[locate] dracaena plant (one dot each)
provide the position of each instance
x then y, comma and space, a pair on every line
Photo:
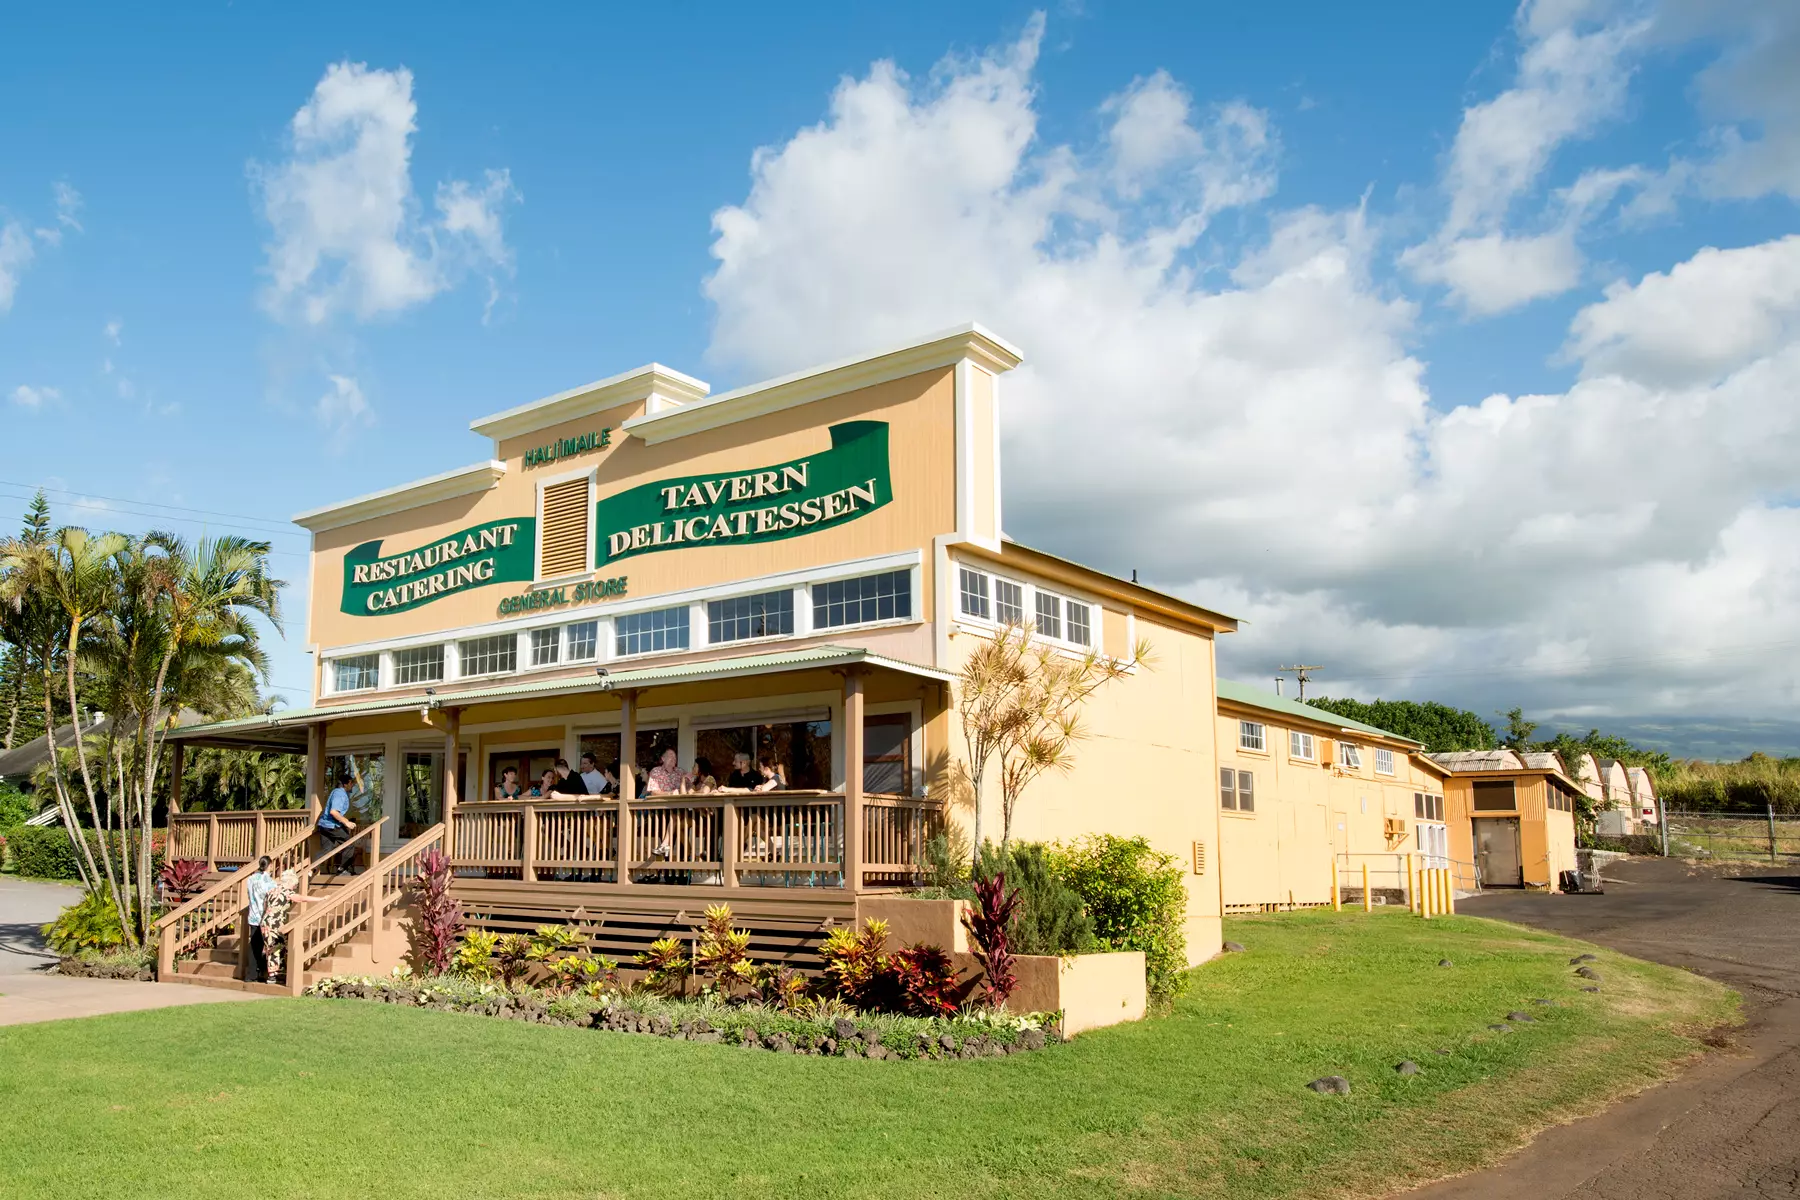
183, 876
440, 920
988, 922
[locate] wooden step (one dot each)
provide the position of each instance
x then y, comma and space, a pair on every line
208, 969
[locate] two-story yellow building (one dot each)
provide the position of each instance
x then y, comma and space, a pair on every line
792, 572
1306, 796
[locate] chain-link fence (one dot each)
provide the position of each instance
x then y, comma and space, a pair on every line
1742, 837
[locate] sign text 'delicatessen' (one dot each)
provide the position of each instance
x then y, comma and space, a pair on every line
805, 495
495, 552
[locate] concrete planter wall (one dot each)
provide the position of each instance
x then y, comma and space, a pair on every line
1090, 990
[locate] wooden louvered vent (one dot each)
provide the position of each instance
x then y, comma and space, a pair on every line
565, 529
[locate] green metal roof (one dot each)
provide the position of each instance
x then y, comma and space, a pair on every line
289, 727
1243, 693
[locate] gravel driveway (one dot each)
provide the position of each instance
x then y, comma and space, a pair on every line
1731, 1125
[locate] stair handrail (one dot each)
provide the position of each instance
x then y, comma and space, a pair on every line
367, 831
376, 879
171, 943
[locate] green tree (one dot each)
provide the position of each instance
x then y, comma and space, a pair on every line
1517, 735
1439, 726
21, 688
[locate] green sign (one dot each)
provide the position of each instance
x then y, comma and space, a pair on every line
586, 592
823, 490
562, 448
496, 552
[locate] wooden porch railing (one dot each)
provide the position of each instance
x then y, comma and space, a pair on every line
183, 930
232, 839
778, 839
318, 929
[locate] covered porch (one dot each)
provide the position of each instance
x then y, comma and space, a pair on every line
859, 739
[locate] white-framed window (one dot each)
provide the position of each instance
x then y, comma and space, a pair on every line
1049, 615
418, 664
356, 673
870, 598
1009, 602
1434, 845
1427, 807
741, 618
1300, 746
648, 632
1237, 790
973, 587
584, 640
1079, 618
1384, 762
546, 645
1349, 757
496, 655
1252, 736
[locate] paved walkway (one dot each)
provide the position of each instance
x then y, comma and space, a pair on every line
27, 994
1731, 1126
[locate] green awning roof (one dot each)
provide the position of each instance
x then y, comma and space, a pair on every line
1243, 693
288, 728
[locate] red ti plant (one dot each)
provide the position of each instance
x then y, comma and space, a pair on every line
440, 921
926, 981
987, 924
183, 876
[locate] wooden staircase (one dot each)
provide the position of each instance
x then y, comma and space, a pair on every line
348, 925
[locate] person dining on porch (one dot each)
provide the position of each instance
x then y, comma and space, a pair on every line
598, 782
700, 780
666, 776
769, 776
742, 778
508, 787
568, 784
546, 785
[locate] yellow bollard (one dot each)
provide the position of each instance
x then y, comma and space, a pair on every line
1412, 883
1368, 905
1449, 894
1427, 902
1337, 895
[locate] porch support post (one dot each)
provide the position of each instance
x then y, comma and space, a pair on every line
452, 738
177, 764
627, 782
853, 780
315, 772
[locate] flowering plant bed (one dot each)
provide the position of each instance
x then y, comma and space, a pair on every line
837, 1031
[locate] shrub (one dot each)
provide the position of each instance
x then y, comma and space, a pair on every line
440, 920
183, 877
944, 860
474, 958
666, 967
16, 807
723, 953
1136, 898
1050, 918
90, 924
987, 924
916, 981
512, 957
47, 853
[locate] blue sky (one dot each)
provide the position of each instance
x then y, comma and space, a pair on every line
1302, 181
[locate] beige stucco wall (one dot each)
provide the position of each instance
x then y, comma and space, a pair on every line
1308, 811
1144, 767
1546, 835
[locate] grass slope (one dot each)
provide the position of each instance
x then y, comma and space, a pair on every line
335, 1098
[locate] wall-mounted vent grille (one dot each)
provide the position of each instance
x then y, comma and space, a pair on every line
565, 547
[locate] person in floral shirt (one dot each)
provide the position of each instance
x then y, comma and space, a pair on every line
278, 907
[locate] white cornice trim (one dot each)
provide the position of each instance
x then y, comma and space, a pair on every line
662, 388
969, 342
476, 477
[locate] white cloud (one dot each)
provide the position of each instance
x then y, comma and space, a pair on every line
342, 409
1751, 93
1493, 273
113, 329
348, 234
1258, 435
34, 398
1572, 78
1717, 312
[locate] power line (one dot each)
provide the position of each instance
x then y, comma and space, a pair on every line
286, 526
156, 516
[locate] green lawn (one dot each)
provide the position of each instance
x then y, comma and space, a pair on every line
340, 1098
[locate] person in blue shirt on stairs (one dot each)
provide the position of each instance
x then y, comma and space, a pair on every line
336, 824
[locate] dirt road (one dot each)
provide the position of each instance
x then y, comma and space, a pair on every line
1729, 1127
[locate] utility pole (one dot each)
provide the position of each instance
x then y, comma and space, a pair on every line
1300, 673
